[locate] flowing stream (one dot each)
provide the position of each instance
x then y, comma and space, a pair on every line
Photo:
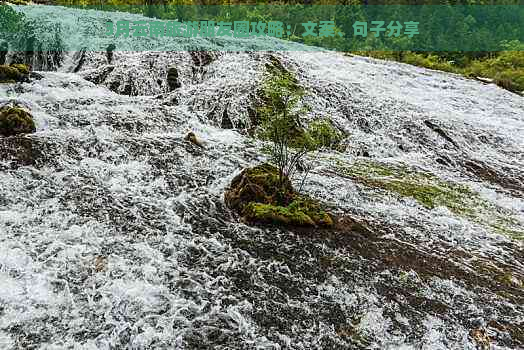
114, 233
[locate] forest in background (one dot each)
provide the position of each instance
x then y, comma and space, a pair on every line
504, 64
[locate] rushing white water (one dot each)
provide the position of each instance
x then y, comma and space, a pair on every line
114, 235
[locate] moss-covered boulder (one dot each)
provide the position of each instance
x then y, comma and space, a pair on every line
14, 73
15, 121
22, 68
259, 184
302, 211
260, 196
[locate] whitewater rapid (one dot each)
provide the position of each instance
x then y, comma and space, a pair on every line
114, 234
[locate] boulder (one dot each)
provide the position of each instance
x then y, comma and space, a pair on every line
191, 137
172, 78
15, 121
14, 73
259, 196
259, 184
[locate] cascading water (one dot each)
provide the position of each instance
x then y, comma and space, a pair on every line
114, 233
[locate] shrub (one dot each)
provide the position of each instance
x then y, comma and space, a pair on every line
280, 121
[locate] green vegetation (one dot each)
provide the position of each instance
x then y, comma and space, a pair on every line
22, 68
427, 190
325, 134
258, 196
13, 73
264, 194
505, 68
503, 64
10, 20
260, 184
279, 109
279, 112
431, 192
14, 121
302, 211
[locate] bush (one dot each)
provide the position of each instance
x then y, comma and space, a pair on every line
280, 120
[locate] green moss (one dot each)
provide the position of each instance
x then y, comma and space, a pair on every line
259, 195
22, 68
312, 209
9, 81
301, 212
275, 68
426, 189
431, 192
9, 73
14, 72
260, 184
325, 134
14, 121
507, 279
272, 214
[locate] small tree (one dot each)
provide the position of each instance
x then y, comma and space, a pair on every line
280, 123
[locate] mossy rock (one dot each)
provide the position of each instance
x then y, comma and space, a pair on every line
9, 73
22, 68
274, 214
325, 134
259, 184
300, 212
15, 121
14, 73
259, 196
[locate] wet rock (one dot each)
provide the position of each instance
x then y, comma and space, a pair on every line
481, 338
505, 177
99, 76
226, 121
440, 132
444, 160
35, 76
191, 137
100, 263
172, 79
260, 196
4, 49
14, 73
363, 125
109, 52
17, 150
80, 57
201, 58
15, 121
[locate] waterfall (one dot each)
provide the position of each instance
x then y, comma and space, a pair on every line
114, 233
